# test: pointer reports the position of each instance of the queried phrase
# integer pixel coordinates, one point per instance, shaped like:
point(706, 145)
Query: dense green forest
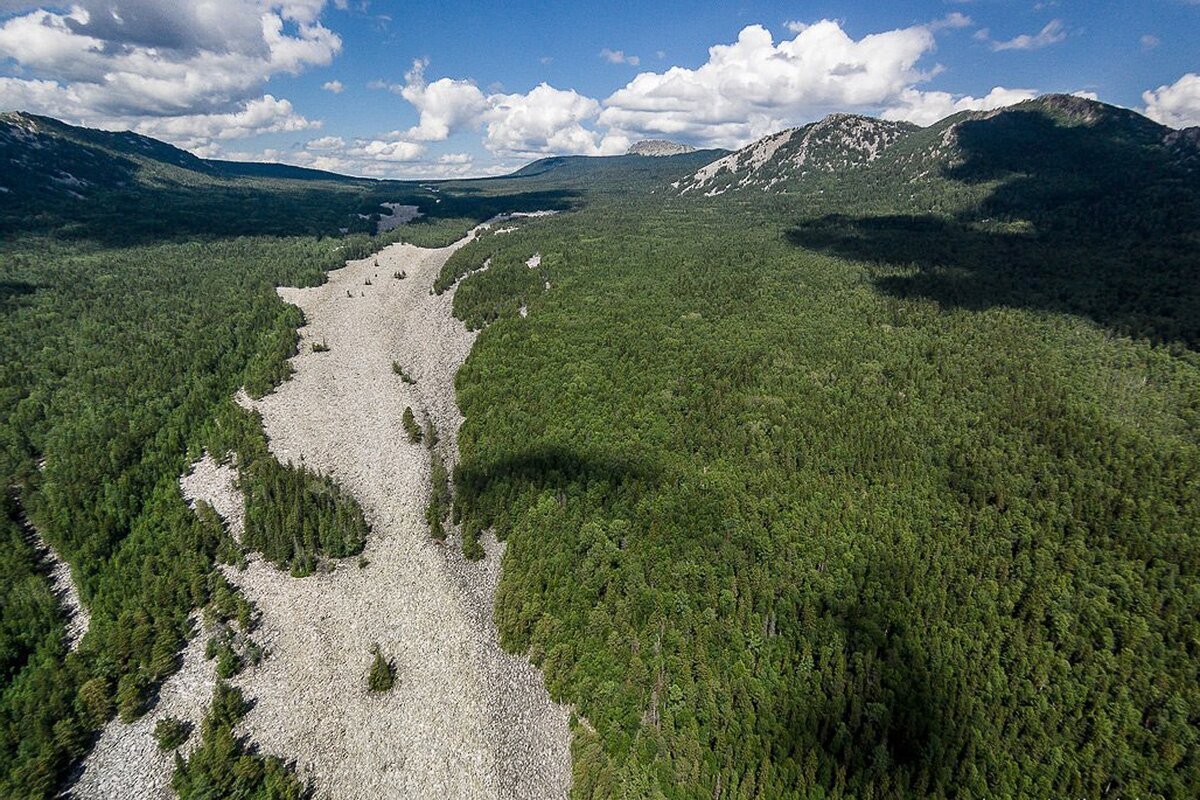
point(812, 497)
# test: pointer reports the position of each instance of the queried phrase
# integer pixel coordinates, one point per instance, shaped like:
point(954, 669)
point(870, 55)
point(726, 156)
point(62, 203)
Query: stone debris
point(400, 214)
point(126, 763)
point(216, 484)
point(465, 719)
point(62, 584)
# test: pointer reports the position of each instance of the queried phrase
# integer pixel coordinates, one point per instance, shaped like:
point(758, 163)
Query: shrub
point(410, 426)
point(383, 673)
point(404, 376)
point(170, 733)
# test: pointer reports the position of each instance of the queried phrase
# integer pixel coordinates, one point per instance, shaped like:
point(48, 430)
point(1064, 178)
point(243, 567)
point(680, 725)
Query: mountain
point(1070, 136)
point(658, 147)
point(46, 157)
point(84, 182)
point(606, 174)
point(838, 142)
point(110, 185)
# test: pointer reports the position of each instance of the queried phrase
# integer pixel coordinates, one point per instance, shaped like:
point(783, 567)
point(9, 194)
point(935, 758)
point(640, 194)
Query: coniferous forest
point(875, 488)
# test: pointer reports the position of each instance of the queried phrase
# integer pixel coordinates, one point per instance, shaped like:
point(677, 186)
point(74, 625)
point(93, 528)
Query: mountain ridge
point(781, 161)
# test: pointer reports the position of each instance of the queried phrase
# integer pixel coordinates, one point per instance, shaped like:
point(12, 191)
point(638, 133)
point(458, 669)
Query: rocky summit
point(658, 147)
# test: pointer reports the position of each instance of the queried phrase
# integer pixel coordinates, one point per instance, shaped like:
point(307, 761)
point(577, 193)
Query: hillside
point(837, 143)
point(605, 175)
point(123, 186)
point(1059, 133)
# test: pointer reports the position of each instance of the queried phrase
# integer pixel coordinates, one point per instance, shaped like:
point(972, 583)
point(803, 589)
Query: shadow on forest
point(551, 468)
point(13, 290)
point(893, 714)
point(1085, 220)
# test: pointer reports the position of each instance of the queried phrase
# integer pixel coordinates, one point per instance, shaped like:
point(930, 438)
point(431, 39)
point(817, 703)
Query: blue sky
point(453, 88)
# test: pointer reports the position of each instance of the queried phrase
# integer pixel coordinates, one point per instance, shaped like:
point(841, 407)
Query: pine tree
point(383, 673)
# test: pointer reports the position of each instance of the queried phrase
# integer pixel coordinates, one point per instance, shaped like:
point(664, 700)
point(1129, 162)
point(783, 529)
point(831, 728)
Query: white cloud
point(926, 108)
point(952, 21)
point(1052, 33)
point(337, 87)
point(755, 86)
point(383, 150)
point(264, 115)
point(619, 57)
point(325, 143)
point(444, 105)
point(546, 120)
point(1176, 105)
point(743, 91)
point(143, 63)
point(1149, 41)
point(374, 158)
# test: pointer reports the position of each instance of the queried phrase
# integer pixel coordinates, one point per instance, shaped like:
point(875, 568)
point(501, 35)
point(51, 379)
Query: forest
point(807, 504)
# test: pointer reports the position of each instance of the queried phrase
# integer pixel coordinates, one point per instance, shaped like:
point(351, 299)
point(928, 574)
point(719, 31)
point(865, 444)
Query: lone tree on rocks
point(171, 733)
point(383, 673)
point(410, 425)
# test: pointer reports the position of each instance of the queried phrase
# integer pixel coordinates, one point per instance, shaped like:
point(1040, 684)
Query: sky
point(445, 89)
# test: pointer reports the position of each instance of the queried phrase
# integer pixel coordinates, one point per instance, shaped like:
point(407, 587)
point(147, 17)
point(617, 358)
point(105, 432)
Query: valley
point(860, 462)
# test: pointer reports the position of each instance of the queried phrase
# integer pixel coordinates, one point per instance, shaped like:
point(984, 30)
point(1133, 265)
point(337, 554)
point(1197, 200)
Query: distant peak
point(658, 147)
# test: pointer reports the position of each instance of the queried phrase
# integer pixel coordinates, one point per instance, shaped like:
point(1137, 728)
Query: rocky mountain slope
point(838, 142)
point(1058, 133)
point(658, 147)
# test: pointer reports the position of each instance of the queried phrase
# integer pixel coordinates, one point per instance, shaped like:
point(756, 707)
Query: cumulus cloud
point(325, 143)
point(264, 115)
point(178, 70)
point(382, 150)
point(337, 87)
point(755, 86)
point(444, 105)
point(926, 108)
point(619, 57)
point(1177, 104)
point(546, 120)
point(1052, 33)
point(744, 90)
